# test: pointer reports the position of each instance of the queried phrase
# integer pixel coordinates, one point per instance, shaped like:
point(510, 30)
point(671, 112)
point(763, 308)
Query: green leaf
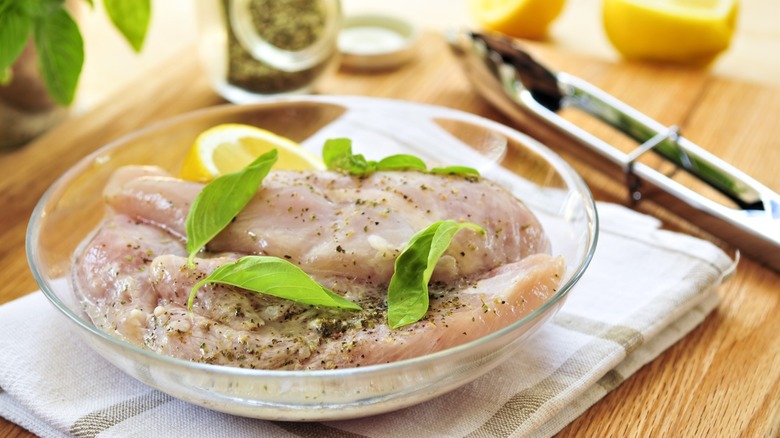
point(15, 29)
point(337, 155)
point(276, 277)
point(456, 170)
point(60, 54)
point(407, 294)
point(334, 151)
point(6, 76)
point(221, 200)
point(40, 8)
point(131, 17)
point(401, 162)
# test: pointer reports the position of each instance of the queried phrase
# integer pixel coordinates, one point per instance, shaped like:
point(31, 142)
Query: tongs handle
point(666, 141)
point(528, 92)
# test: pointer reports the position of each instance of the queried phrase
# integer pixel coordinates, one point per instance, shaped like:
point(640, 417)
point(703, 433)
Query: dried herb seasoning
point(287, 24)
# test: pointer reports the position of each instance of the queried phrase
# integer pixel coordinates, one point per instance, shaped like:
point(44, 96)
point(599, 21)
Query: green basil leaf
point(456, 170)
point(276, 277)
point(15, 29)
point(6, 76)
point(60, 54)
point(131, 17)
point(337, 155)
point(401, 162)
point(39, 8)
point(407, 294)
point(335, 150)
point(221, 200)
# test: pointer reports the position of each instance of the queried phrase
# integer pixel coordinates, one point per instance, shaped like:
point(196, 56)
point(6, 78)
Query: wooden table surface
point(723, 379)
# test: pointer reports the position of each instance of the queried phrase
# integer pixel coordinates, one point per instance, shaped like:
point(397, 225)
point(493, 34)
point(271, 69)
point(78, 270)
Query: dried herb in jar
point(287, 24)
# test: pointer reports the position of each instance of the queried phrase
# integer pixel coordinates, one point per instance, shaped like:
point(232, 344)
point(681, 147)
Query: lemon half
point(517, 18)
point(230, 147)
point(682, 31)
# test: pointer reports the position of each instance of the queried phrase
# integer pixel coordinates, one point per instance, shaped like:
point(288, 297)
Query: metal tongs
point(529, 93)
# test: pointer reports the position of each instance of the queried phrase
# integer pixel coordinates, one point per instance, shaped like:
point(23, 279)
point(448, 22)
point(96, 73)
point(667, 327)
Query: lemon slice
point(230, 147)
point(517, 18)
point(682, 31)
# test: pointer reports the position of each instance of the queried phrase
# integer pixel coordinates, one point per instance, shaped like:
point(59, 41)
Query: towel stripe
point(611, 380)
point(98, 421)
point(522, 406)
point(629, 338)
point(315, 430)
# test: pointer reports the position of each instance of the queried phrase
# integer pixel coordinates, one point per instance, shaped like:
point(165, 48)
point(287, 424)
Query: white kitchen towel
point(645, 289)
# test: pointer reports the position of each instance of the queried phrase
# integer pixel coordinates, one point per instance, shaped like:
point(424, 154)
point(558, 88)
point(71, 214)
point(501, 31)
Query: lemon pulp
point(230, 147)
point(682, 31)
point(517, 18)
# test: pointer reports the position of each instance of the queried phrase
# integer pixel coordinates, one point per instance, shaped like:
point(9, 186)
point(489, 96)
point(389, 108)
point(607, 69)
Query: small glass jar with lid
point(252, 49)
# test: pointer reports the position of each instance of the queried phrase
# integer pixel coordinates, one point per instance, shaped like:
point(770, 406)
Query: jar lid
point(374, 42)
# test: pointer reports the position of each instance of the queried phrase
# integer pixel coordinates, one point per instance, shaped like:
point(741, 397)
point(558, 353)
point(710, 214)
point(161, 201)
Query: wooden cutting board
point(723, 379)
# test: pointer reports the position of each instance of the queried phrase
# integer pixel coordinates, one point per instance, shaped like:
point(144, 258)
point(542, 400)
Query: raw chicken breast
point(334, 224)
point(264, 332)
point(110, 274)
point(345, 232)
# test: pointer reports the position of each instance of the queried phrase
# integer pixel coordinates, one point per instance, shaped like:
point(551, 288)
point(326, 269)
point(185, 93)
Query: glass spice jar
point(256, 48)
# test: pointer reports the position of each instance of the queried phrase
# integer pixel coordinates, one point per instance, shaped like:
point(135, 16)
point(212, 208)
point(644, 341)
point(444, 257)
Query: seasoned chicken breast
point(335, 224)
point(342, 230)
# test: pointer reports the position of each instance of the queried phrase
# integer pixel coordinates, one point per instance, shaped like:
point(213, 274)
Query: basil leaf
point(335, 150)
point(337, 155)
point(60, 54)
point(221, 200)
point(407, 294)
point(276, 277)
point(456, 170)
point(131, 17)
point(15, 29)
point(39, 8)
point(401, 162)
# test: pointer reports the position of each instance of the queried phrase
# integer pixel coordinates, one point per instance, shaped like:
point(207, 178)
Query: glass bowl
point(73, 207)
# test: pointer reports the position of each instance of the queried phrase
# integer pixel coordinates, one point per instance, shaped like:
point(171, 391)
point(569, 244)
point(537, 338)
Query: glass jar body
point(252, 49)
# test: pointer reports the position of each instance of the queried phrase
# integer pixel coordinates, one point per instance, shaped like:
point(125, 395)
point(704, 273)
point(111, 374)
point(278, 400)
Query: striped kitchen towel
point(645, 289)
